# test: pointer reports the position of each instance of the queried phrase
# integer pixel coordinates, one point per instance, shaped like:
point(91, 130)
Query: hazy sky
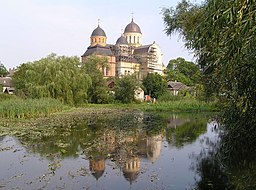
point(32, 29)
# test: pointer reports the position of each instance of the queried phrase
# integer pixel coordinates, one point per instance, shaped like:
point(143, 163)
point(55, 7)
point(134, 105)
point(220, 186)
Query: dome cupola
point(98, 37)
point(132, 28)
point(98, 32)
point(121, 41)
point(133, 34)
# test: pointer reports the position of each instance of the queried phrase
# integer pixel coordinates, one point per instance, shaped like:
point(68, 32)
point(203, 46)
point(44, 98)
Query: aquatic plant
point(29, 108)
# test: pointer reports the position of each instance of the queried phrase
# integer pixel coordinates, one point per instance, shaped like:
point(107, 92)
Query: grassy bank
point(182, 105)
point(19, 108)
point(29, 108)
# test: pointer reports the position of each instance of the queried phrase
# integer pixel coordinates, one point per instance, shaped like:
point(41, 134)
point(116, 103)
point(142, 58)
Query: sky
point(33, 29)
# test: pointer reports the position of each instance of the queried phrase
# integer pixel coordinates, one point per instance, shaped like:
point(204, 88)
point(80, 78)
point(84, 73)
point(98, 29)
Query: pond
point(130, 150)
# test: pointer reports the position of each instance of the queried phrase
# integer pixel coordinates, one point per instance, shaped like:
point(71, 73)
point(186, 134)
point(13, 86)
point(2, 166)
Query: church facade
point(128, 55)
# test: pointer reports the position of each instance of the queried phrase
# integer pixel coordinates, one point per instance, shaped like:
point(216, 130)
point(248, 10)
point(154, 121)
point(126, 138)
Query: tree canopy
point(183, 71)
point(125, 88)
point(98, 91)
point(223, 37)
point(3, 70)
point(55, 76)
point(154, 85)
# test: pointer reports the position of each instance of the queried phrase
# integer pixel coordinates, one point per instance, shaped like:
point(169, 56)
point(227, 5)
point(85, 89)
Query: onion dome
point(122, 40)
point(98, 32)
point(132, 27)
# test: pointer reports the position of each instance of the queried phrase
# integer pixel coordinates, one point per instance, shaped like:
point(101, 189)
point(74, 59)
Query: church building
point(128, 55)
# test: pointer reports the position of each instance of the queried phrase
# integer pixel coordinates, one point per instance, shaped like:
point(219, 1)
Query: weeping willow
point(56, 77)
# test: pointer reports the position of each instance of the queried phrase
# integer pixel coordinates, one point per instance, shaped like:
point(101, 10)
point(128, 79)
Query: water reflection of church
point(126, 151)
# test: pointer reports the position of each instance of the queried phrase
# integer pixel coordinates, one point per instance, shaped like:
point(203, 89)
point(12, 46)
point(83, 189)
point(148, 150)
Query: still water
point(136, 151)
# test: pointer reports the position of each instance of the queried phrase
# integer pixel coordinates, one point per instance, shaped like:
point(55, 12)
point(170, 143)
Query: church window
point(107, 71)
point(130, 39)
point(103, 70)
point(138, 39)
point(134, 41)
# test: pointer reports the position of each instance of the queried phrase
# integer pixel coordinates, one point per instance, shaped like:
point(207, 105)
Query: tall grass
point(182, 105)
point(29, 108)
point(177, 104)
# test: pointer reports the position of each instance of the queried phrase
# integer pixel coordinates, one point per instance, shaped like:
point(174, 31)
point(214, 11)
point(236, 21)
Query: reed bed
point(29, 108)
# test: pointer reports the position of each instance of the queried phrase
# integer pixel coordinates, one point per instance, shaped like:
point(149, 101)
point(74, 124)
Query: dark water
point(139, 151)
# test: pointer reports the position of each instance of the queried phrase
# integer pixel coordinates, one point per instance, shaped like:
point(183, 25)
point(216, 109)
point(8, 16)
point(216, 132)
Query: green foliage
point(125, 88)
point(186, 133)
point(183, 71)
point(3, 70)
point(57, 77)
point(223, 36)
point(20, 108)
point(179, 104)
point(154, 85)
point(98, 91)
point(4, 97)
point(167, 96)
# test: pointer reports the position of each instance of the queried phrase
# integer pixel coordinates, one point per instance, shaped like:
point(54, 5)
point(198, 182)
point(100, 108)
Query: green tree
point(125, 88)
point(154, 85)
point(183, 71)
point(55, 76)
point(98, 91)
point(3, 70)
point(223, 37)
point(222, 34)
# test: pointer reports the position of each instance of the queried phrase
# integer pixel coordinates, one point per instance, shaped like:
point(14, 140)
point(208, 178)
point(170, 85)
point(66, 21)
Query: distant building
point(175, 87)
point(139, 94)
point(7, 85)
point(128, 55)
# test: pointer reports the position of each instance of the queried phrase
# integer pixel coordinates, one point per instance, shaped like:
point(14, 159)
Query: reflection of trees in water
point(184, 130)
point(207, 165)
point(1, 138)
point(123, 139)
point(215, 169)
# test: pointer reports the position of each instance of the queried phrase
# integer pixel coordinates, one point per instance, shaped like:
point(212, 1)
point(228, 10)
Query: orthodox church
point(128, 55)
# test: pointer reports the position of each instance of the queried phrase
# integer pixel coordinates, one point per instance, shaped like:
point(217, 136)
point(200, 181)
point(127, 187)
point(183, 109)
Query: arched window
point(99, 40)
point(138, 39)
point(134, 39)
point(130, 39)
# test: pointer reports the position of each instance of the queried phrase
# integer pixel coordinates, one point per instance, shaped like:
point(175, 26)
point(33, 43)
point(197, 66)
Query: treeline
point(74, 83)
